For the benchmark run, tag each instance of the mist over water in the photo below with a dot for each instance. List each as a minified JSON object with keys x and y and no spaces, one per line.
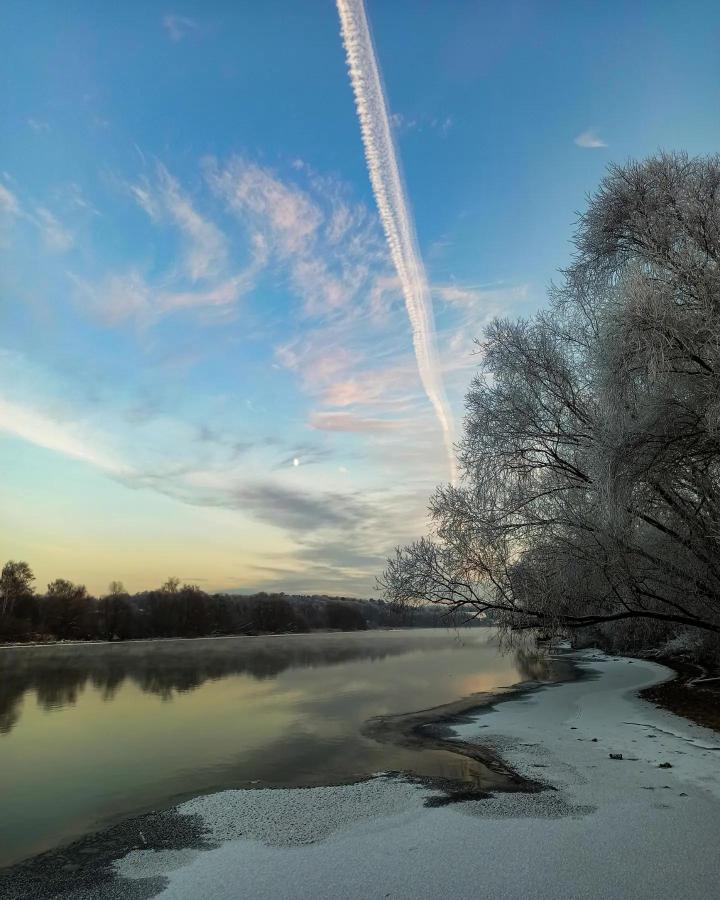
{"x":93,"y":733}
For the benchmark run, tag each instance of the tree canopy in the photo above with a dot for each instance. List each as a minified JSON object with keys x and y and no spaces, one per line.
{"x":590,"y":454}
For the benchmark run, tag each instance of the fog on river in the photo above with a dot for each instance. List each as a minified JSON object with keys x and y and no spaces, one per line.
{"x":92,"y":733}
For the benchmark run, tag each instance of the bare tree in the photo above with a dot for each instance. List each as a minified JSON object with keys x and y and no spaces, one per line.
{"x":590,"y":458}
{"x":16,"y":580}
{"x":115,"y":614}
{"x":67,"y":609}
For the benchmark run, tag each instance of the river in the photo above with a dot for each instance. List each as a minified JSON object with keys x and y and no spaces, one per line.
{"x":90,"y":734}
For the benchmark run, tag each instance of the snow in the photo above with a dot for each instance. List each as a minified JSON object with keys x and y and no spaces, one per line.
{"x":609,"y":829}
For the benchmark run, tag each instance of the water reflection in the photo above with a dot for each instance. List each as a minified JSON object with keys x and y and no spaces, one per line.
{"x":58,"y":674}
{"x":92,"y":733}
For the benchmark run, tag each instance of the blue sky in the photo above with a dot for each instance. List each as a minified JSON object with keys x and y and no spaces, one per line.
{"x":206,"y":366}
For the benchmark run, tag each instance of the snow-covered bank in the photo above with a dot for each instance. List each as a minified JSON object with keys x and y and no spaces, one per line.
{"x":622,"y":828}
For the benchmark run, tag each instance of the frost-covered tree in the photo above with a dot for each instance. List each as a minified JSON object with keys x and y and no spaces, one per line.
{"x":590,"y":457}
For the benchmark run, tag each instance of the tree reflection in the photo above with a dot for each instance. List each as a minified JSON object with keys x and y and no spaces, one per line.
{"x":58,"y":675}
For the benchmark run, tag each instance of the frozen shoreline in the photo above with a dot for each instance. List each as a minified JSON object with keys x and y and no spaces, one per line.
{"x":607,"y":828}
{"x":600,"y":828}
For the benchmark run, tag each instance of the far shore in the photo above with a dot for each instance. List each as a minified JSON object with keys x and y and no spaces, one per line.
{"x":215,"y":637}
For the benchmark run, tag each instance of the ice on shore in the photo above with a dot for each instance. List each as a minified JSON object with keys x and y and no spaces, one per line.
{"x":606,"y":828}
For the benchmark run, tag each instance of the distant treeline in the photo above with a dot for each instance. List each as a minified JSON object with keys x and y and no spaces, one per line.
{"x":66,"y":611}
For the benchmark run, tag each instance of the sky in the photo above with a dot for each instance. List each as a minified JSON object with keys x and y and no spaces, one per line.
{"x":207,"y":366}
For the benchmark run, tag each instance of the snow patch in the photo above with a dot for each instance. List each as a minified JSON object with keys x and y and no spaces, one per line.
{"x":603,"y":829}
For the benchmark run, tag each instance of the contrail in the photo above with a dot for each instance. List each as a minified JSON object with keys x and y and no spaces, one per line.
{"x":387,"y":185}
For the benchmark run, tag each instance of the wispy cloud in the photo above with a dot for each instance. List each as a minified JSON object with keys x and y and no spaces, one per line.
{"x":38,"y":125}
{"x":128,"y":296}
{"x":446,"y":124}
{"x":177,"y":27}
{"x":116,"y":298}
{"x":287,"y":211}
{"x":589,"y":139}
{"x":491,"y":296}
{"x":326,"y":245}
{"x":206,"y":277}
{"x":290,"y":509}
{"x":224,"y":294}
{"x":340,"y":421}
{"x":327,"y":250}
{"x":56,"y":236}
{"x":305,"y":454}
{"x":206,"y":245}
{"x":383,"y":168}
{"x":289,"y":261}
{"x":319,"y":357}
{"x":72,"y":198}
{"x":8,"y":202}
{"x":45,"y":431}
{"x":366,"y":388}
{"x":300,"y":511}
{"x":403,"y":123}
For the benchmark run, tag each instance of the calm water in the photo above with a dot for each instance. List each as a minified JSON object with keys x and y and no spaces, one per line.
{"x":92,"y":733}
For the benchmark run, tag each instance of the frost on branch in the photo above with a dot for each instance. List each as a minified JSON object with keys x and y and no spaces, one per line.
{"x":590,"y":457}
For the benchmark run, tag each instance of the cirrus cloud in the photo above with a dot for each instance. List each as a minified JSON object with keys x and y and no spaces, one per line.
{"x":340,"y":421}
{"x":589,"y":139}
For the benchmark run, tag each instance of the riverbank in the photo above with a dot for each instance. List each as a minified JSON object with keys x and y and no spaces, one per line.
{"x":19,"y":645}
{"x":642,"y":826}
{"x":693,"y":694}
{"x":485,"y":772}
